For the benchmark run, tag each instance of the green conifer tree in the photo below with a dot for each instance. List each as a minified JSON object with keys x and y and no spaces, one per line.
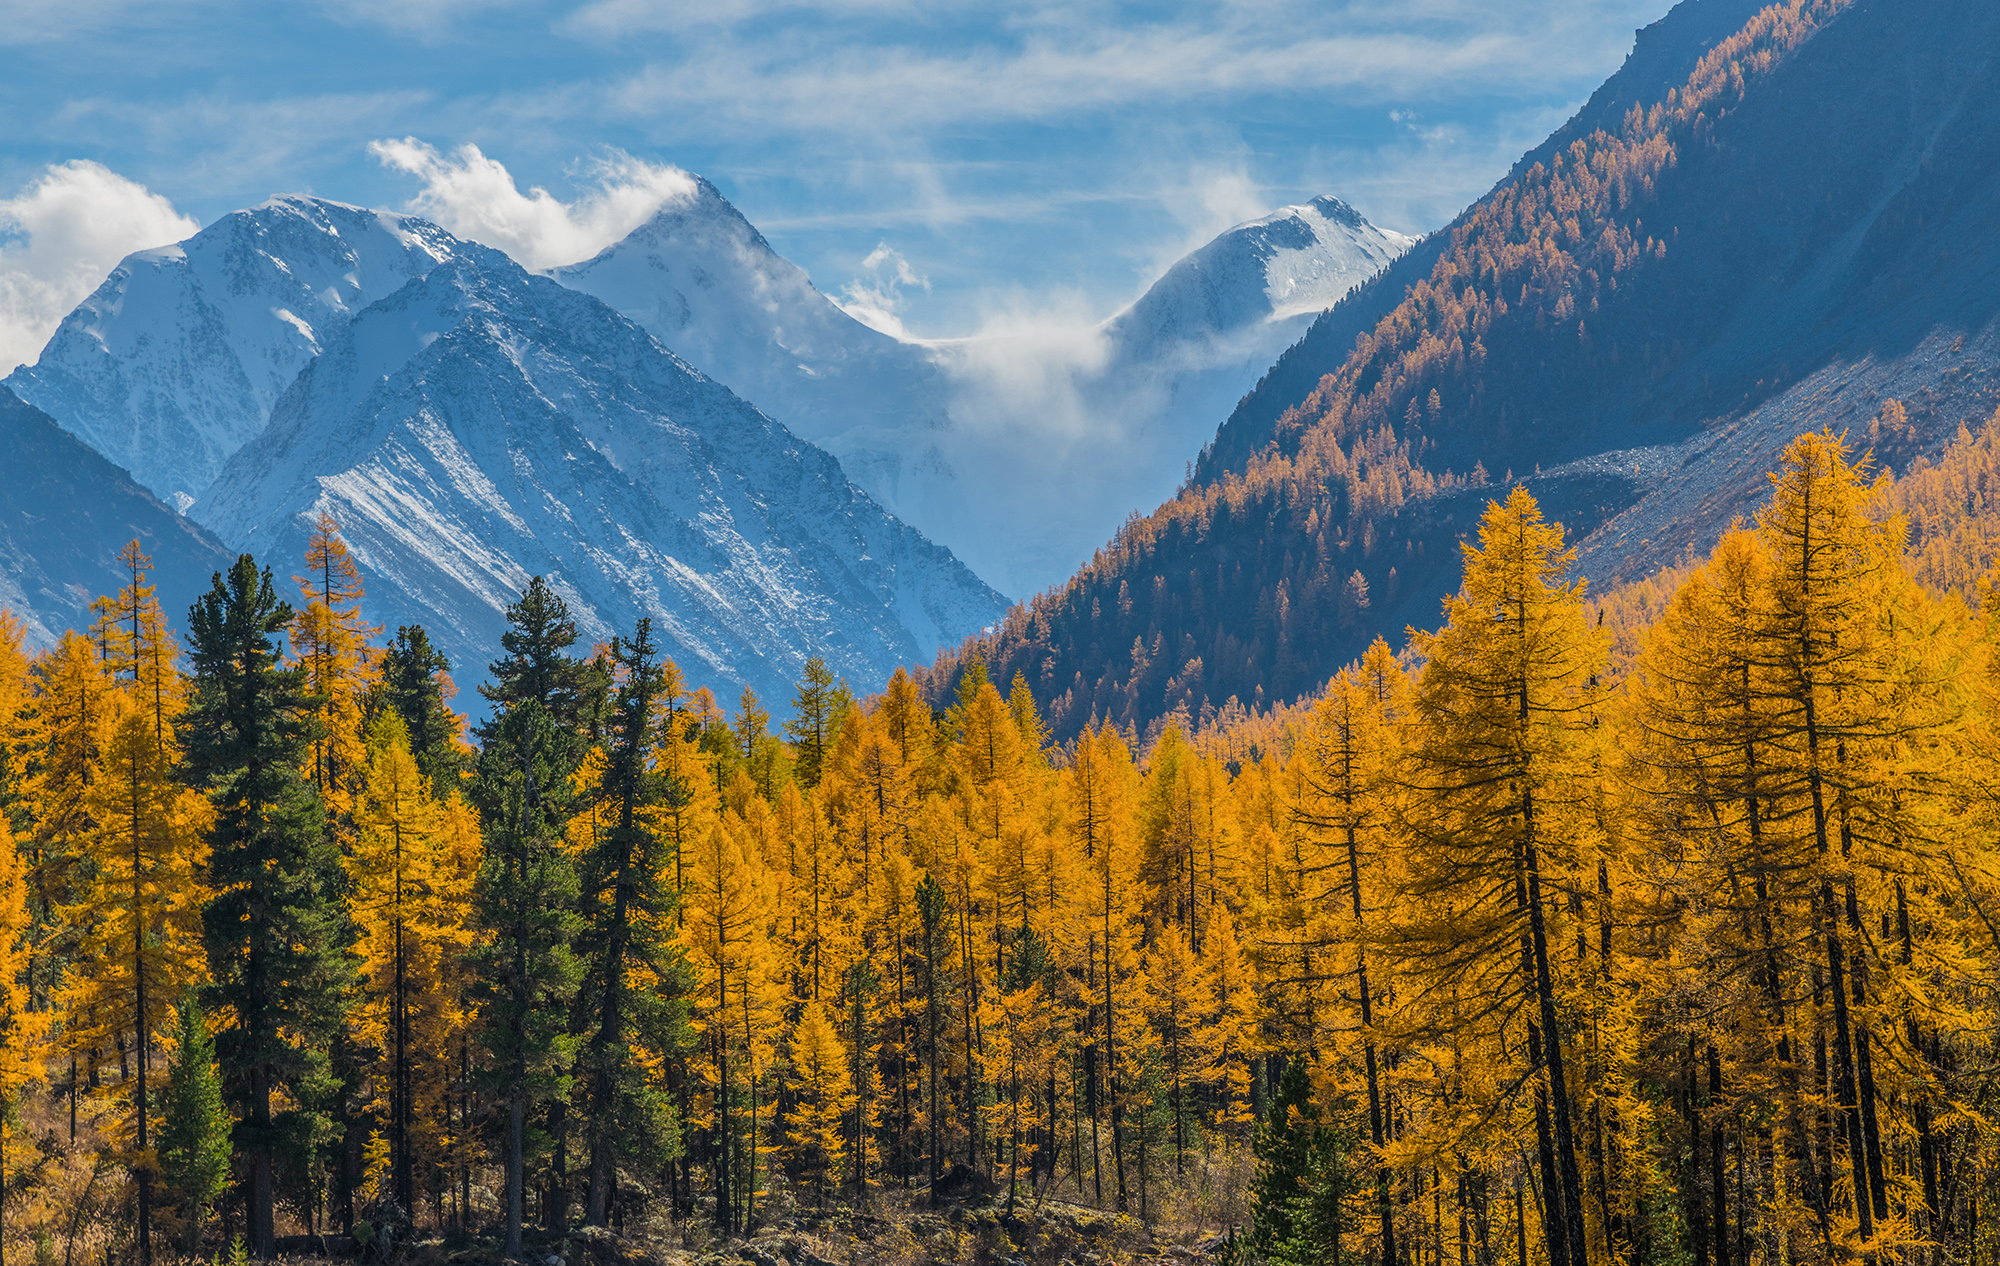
{"x":1298,"y":1198}
{"x":537,"y":664}
{"x":636,"y":982}
{"x":194,"y":1125}
{"x":413,"y":681}
{"x":526,"y":974}
{"x":817,"y":706}
{"x":274,"y":928}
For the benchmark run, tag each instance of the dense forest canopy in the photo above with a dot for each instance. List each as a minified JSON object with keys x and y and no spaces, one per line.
{"x":1653,"y":927}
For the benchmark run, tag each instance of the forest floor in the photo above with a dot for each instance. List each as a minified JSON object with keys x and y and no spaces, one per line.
{"x":895,"y":1230}
{"x":67,"y":1206}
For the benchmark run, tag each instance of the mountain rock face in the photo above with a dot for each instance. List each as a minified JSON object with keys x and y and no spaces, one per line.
{"x":481,"y":425}
{"x":1773,"y":219}
{"x":66,"y":513}
{"x":701,"y":279}
{"x":175,"y":361}
{"x":1020,"y":453}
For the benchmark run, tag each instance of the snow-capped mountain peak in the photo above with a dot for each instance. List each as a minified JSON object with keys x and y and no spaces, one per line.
{"x":1309,"y":276}
{"x":1022,"y":485}
{"x":701,"y":278}
{"x":1295,"y":262}
{"x":484,"y":424}
{"x":175,"y":360}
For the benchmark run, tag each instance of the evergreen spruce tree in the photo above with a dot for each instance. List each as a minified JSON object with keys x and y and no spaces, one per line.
{"x":817,"y":706}
{"x":194,"y":1125}
{"x":537,"y":665}
{"x":274,"y":928}
{"x":1284,"y":1148}
{"x":413,"y":684}
{"x":1319,"y":1217}
{"x":526,"y":973}
{"x":636,"y":980}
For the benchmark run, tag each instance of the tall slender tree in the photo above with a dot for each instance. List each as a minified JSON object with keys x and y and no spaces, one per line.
{"x":136,"y":905}
{"x":331,"y":643}
{"x":526,"y":970}
{"x":1499,"y":814}
{"x":23,"y":1030}
{"x":274,"y":928}
{"x":635,"y":985}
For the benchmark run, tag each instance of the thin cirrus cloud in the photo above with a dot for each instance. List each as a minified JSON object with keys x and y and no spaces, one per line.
{"x":60,"y":236}
{"x":1045,"y":67}
{"x":253,"y":145}
{"x":475,"y":197}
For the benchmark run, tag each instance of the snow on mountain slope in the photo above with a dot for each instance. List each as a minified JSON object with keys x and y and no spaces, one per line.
{"x":65,"y":513}
{"x":1296,"y":261}
{"x":175,"y":361}
{"x":1020,"y":453}
{"x":1070,"y":436}
{"x":701,"y":279}
{"x":482,"y":425}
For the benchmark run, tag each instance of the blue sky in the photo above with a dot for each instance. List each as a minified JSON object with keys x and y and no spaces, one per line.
{"x":972,"y":164}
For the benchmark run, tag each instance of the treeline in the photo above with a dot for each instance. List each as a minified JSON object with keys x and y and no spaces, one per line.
{"x":1499,"y":952}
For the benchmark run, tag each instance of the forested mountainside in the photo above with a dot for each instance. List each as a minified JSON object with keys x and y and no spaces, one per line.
{"x":1663,"y":56}
{"x":1798,"y":233}
{"x":66,"y":514}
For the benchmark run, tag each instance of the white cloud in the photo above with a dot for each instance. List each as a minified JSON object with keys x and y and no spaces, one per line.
{"x":1052,"y":64}
{"x":1021,"y":382}
{"x":875,"y":298}
{"x":425,"y":18}
{"x":623,"y":18}
{"x":60,"y":237}
{"x":29,"y":22}
{"x":475,"y":197}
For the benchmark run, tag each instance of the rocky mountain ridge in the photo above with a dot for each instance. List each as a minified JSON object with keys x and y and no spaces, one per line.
{"x":482,"y":425}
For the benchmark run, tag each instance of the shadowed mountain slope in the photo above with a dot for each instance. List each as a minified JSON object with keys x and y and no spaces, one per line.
{"x":1663,"y":56}
{"x":66,"y":512}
